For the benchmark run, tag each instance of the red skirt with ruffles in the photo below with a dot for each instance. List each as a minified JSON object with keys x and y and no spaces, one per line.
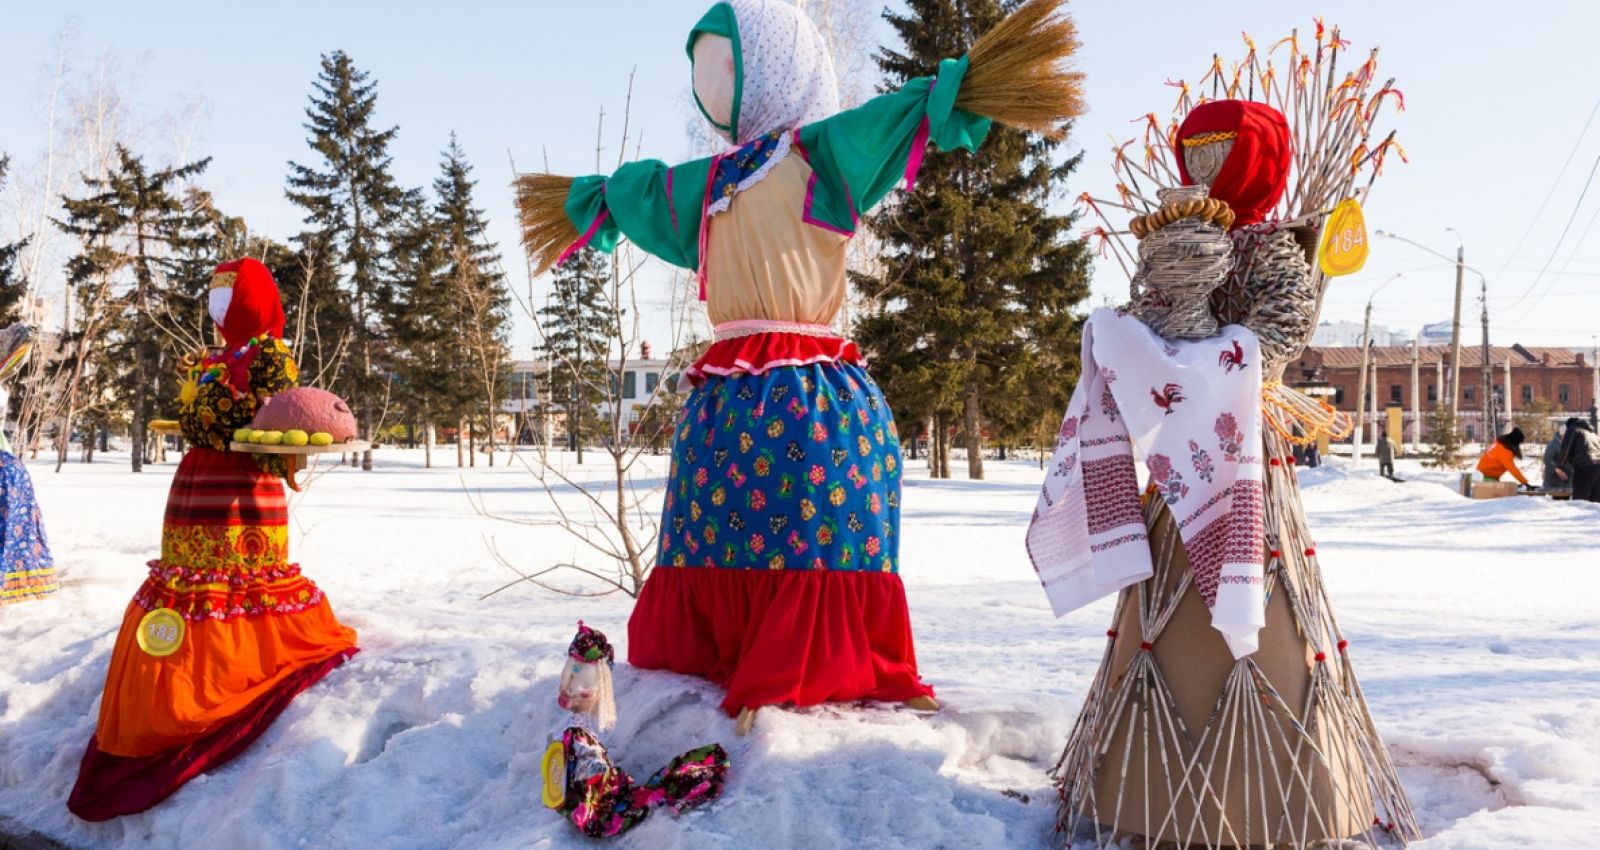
{"x":774,"y":637}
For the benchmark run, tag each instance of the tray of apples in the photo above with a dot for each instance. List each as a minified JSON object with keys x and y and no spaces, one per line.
{"x":301,"y":421}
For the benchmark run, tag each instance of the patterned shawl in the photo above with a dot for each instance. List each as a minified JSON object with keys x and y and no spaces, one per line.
{"x":1192,"y":410}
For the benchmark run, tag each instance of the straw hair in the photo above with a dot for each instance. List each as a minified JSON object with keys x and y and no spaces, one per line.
{"x":541,"y":210}
{"x":1017,"y":74}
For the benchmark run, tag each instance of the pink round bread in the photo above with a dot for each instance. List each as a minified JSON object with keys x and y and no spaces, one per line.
{"x":310,"y":410}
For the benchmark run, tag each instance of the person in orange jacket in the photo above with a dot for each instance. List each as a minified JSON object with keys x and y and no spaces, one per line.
{"x":1502,"y":457}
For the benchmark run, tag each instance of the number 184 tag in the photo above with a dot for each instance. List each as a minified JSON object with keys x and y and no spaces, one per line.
{"x":1344,"y":240}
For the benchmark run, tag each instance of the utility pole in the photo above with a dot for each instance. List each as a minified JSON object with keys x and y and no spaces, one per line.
{"x":1491,"y":411}
{"x":1594,"y":391}
{"x":1377,"y":420}
{"x":1416,"y":394}
{"x":1361,"y":386}
{"x":1507,"y":393}
{"x":1455,"y":336}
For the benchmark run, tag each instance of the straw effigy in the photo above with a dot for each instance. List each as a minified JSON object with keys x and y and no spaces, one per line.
{"x":1184,"y":255}
{"x":1178,"y":744}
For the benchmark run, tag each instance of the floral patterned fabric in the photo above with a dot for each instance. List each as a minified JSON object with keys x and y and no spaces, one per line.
{"x":222,"y":390}
{"x":795,"y":469}
{"x":26,"y":569}
{"x":603,"y":800}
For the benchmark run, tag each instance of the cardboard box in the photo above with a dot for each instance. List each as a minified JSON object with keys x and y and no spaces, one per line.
{"x":1493,"y":489}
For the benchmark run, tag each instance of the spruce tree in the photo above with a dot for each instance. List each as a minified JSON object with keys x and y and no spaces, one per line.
{"x":577,"y":341}
{"x":133,"y":223}
{"x":420,"y":311}
{"x":971,"y":321}
{"x":12,"y":286}
{"x":350,"y":201}
{"x":483,"y":304}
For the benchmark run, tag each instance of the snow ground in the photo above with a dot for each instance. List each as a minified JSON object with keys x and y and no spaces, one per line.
{"x":1475,"y":628}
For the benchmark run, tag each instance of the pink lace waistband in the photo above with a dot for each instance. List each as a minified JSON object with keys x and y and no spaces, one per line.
{"x":751,"y":327}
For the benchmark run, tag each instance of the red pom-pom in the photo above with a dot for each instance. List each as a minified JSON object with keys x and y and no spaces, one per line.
{"x":1147,"y":646}
{"x":1311,"y":550}
{"x":1273,"y":462}
{"x":1111,"y":633}
{"x":1275,"y":554}
{"x":1343,"y":644}
{"x":1289,"y":459}
{"x":1321,"y":656}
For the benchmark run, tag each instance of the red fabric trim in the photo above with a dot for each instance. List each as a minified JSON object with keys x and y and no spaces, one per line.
{"x":779,"y":637}
{"x":111,"y":786}
{"x":759,"y":353}
{"x":1256,"y":172}
{"x":586,"y":238}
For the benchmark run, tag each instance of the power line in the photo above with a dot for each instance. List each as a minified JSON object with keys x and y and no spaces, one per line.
{"x":1572,"y":217}
{"x":1534,"y":222}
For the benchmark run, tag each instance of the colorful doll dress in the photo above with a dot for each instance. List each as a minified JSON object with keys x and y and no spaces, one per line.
{"x":254,"y":632}
{"x":777,"y":568}
{"x":603,"y":800}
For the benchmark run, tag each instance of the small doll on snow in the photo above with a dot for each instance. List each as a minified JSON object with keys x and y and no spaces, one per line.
{"x":580,"y":779}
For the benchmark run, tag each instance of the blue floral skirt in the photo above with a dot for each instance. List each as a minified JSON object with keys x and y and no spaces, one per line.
{"x":794,"y":469}
{"x":26,"y":569}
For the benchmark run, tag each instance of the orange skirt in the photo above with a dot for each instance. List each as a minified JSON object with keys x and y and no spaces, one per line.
{"x":255,"y":633}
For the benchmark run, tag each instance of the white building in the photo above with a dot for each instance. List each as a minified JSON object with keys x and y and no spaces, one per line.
{"x":1437,"y":333}
{"x":634,"y":386}
{"x":1348,"y":334}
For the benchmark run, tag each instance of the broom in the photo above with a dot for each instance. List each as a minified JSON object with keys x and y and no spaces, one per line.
{"x":541,"y":211}
{"x":1016,"y":74}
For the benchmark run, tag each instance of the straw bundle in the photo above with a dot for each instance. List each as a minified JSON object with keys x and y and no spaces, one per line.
{"x":1016,"y":75}
{"x":541,"y":211}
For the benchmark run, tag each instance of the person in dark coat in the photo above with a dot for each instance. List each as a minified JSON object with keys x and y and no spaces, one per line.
{"x":1386,"y":450}
{"x":1580,"y":449}
{"x":1556,"y":476}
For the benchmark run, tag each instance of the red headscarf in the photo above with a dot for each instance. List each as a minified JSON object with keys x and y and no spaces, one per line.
{"x":1256,"y":171}
{"x":256,"y":308}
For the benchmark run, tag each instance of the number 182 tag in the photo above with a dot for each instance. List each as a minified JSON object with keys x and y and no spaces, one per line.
{"x":161,"y":632}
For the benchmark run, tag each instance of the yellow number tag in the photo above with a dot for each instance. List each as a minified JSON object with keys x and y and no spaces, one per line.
{"x":554,"y":770}
{"x":161,"y":632}
{"x":1344,"y":240}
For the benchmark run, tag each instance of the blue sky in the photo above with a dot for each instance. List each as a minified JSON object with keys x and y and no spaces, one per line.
{"x":1495,"y":103}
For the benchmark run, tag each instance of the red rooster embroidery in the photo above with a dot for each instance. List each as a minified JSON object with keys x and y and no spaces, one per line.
{"x":1167,"y":396}
{"x":1231,"y":360}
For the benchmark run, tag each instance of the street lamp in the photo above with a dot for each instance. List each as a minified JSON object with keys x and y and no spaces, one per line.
{"x":1455,"y":321}
{"x":1361,"y":379}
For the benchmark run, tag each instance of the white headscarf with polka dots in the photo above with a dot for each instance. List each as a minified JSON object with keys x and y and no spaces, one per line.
{"x":788,"y":72}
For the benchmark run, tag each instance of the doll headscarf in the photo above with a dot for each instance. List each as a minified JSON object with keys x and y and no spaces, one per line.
{"x":1253,"y":177}
{"x":783,"y":72}
{"x":254,"y":308}
{"x":590,"y":646}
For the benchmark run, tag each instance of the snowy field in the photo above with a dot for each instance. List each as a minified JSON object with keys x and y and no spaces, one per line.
{"x":1475,"y":627}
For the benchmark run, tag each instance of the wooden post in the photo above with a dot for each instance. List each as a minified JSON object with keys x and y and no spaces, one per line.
{"x":1416,"y":394}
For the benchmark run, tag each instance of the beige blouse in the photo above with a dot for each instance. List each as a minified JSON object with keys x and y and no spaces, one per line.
{"x":764,"y":262}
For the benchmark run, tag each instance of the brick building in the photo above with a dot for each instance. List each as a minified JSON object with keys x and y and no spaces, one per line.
{"x":1558,"y":377}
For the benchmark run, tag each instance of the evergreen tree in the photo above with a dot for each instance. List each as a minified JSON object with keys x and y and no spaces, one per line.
{"x":350,"y":201}
{"x":134,"y":223}
{"x":1445,"y":450}
{"x":12,"y":286}
{"x":483,"y":304}
{"x":418,"y":315}
{"x":971,"y":321}
{"x":577,"y":340}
